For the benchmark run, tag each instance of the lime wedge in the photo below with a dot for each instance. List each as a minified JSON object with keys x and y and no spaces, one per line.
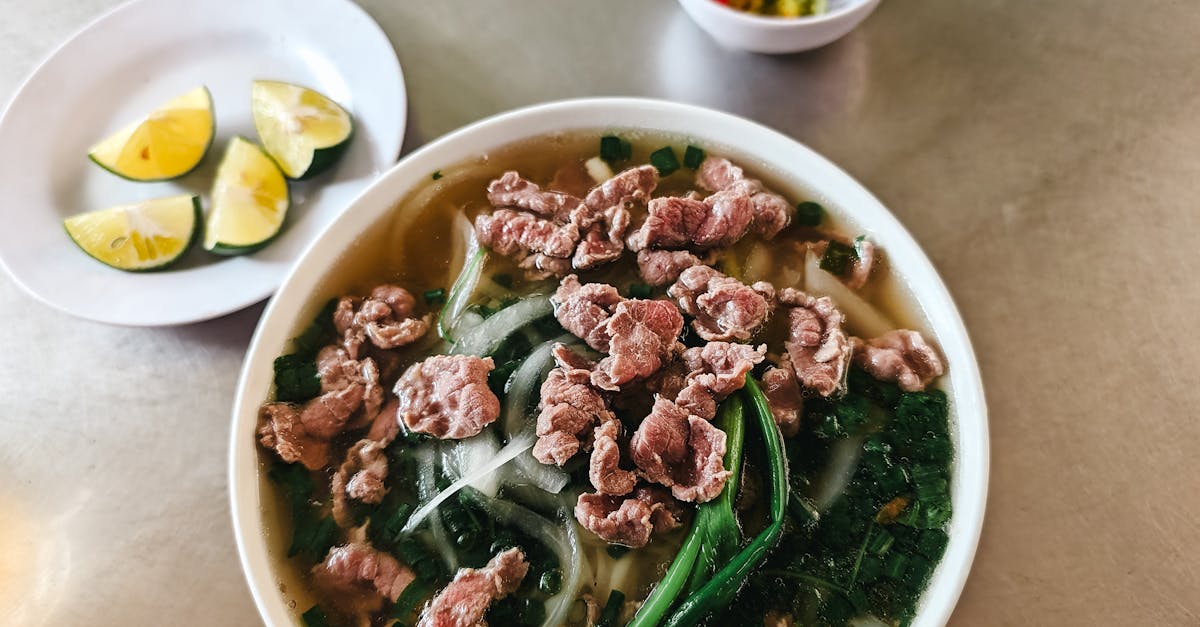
{"x":148,"y":235}
{"x":303,"y":130}
{"x":249,"y":200}
{"x":166,"y":144}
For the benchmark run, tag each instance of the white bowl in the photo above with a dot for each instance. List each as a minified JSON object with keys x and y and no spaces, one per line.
{"x":777,"y":35}
{"x":796,"y":166}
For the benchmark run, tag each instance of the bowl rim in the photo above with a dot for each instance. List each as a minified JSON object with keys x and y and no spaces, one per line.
{"x":779,"y":22}
{"x":819,"y":175}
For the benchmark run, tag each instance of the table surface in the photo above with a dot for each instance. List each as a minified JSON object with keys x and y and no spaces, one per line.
{"x":1044,"y":154}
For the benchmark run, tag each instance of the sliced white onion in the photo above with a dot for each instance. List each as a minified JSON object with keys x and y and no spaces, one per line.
{"x":862,"y":318}
{"x":427,"y":489}
{"x":462,"y":458}
{"x":491,"y":333}
{"x":460,"y":293}
{"x":515,"y":447}
{"x":598,"y":169}
{"x":562,"y":539}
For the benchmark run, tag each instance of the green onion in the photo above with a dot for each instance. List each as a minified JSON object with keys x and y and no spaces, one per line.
{"x":693,"y":156}
{"x":612,"y":610}
{"x":435,"y":297}
{"x":437,"y":174}
{"x":314,"y":617}
{"x":663,"y":596}
{"x":610,"y":148}
{"x":640,"y":290}
{"x":503,"y":280}
{"x":722,"y":535}
{"x":838,"y":257}
{"x":721,"y":588}
{"x":665,"y":160}
{"x":809,"y":213}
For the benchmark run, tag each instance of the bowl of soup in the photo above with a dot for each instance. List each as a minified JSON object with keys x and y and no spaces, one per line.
{"x":610,"y":362}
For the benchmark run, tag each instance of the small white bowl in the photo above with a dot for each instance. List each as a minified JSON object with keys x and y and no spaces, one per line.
{"x":800,"y":171}
{"x":777,"y":35}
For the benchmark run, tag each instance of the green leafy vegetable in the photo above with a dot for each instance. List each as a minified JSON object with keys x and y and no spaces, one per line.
{"x":296,"y":379}
{"x":665,"y":160}
{"x":314,"y":617}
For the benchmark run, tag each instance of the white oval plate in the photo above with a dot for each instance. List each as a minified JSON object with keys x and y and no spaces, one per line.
{"x":771,"y":151}
{"x":140,"y":55}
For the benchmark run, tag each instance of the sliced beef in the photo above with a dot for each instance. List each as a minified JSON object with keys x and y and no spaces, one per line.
{"x":902,"y":356}
{"x":360,"y":477}
{"x":517,"y":234}
{"x":570,"y":410}
{"x":859,"y":268}
{"x":540,"y":266}
{"x":511,"y":190}
{"x":772,"y":212}
{"x":660,"y":267}
{"x":724,"y":308}
{"x":684,"y":222}
{"x":357,"y":577}
{"x":350,"y":399}
{"x":583,"y":309}
{"x":447,"y":396}
{"x":385,"y":318}
{"x":629,"y":186}
{"x":464,"y":602}
{"x":386,"y":425}
{"x":630,"y":520}
{"x":817,"y":346}
{"x":280,"y":429}
{"x":715,"y":371}
{"x":643,"y":336}
{"x":343,"y":379}
{"x":604,"y":468}
{"x":783,"y":395}
{"x":551,"y":232}
{"x":603,"y":241}
{"x":681,"y":451}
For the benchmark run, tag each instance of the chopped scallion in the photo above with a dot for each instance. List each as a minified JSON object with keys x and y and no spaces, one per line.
{"x":617,"y":551}
{"x":640,"y":290}
{"x":437,"y":174}
{"x":665,"y":160}
{"x":435,"y":297}
{"x":838,"y":258}
{"x":809,"y":213}
{"x":693,"y":156}
{"x":610,"y":148}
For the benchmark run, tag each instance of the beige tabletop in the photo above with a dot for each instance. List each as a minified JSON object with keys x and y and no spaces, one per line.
{"x":1045,"y":154}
